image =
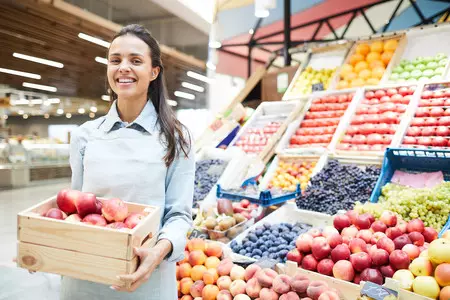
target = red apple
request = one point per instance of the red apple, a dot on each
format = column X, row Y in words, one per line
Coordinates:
column 309, row 263
column 365, row 235
column 65, row 203
column 245, row 203
column 444, row 121
column 360, row 261
column 417, row 238
column 363, row 221
column 341, row 221
column 412, row 251
column 372, row 275
column 402, row 225
column 393, row 232
column 352, row 214
column 325, row 267
column 388, row 218
column 436, row 112
column 351, row 231
column 378, row 226
column 86, row 203
column 357, row 245
column 443, row 131
column 334, row 240
column 95, row 219
column 115, row 210
column 415, row 225
column 99, row 205
column 340, row 252
column 401, row 241
column 379, row 257
column 73, row 218
column 315, row 232
column 343, row 270
column 399, row 259
column 320, row 248
column 387, row 271
column 294, row 255
column 377, row 236
column 55, row 213
column 386, row 244
column 117, row 225
column 357, row 278
column 430, row 234
column 133, row 219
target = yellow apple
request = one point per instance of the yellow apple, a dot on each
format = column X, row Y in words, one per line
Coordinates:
column 424, row 253
column 426, row 286
column 421, row 266
column 405, row 278
column 439, row 251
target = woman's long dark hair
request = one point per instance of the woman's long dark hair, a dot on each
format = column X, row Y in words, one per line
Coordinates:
column 175, row 137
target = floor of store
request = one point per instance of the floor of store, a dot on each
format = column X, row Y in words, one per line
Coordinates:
column 15, row 283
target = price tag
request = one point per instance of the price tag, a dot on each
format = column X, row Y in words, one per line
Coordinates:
column 198, row 234
column 266, row 263
column 282, row 82
column 378, row 292
column 317, row 87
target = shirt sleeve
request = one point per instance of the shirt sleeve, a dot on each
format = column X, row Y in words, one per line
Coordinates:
column 177, row 219
column 77, row 145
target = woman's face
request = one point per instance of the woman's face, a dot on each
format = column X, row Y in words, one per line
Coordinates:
column 129, row 67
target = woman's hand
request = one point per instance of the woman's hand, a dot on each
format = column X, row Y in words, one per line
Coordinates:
column 150, row 258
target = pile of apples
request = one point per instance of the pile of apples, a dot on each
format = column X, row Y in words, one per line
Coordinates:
column 75, row 206
column 429, row 274
column 359, row 247
column 420, row 69
column 321, row 121
column 431, row 124
column 289, row 174
column 376, row 120
column 203, row 275
column 254, row 140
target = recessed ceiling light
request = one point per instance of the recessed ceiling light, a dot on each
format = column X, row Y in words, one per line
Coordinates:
column 36, row 101
column 20, row 102
column 198, row 76
column 94, row 40
column 39, row 60
column 251, row 31
column 40, row 87
column 215, row 44
column 93, row 109
column 20, row 112
column 68, row 115
column 184, row 95
column 172, row 102
column 60, row 111
column 81, row 110
column 193, row 87
column 20, row 73
column 101, row 60
column 46, row 116
column 105, row 98
column 25, row 116
column 54, row 100
column 91, row 115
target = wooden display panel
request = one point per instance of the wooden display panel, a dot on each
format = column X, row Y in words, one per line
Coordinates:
column 79, row 250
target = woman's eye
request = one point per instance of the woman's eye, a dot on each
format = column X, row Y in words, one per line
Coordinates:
column 136, row 61
column 114, row 61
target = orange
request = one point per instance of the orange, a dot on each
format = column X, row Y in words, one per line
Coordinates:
column 386, row 56
column 361, row 66
column 378, row 72
column 363, row 49
column 390, row 45
column 372, row 81
column 373, row 56
column 377, row 46
column 350, row 76
column 357, row 82
column 343, row 84
column 355, row 58
column 345, row 69
column 364, row 74
column 376, row 63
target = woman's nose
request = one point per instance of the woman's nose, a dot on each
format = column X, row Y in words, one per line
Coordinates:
column 124, row 66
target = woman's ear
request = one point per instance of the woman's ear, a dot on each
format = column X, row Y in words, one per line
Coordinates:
column 155, row 72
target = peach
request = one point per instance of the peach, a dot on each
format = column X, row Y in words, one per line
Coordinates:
column 197, row 257
column 250, row 271
column 268, row 294
column 94, row 219
column 74, row 218
column 212, row 262
column 242, row 297
column 316, row 288
column 210, row 292
column 196, row 244
column 185, row 285
column 329, row 295
column 187, row 297
column 238, row 287
column 55, row 213
column 224, row 282
column 210, row 276
column 281, row 284
column 133, row 219
column 343, row 269
column 65, row 203
column 213, row 249
column 197, row 272
column 185, row 259
column 224, row 295
column 300, row 283
column 253, row 288
column 265, row 277
column 185, row 270
column 114, row 210
column 290, row 296
column 445, row 293
column 197, row 288
column 237, row 272
column 224, row 268
column 442, row 274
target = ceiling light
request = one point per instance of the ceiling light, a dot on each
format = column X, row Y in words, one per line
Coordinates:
column 25, row 116
column 262, row 13
column 93, row 109
column 20, row 73
column 184, row 95
column 105, row 98
column 198, row 76
column 91, row 115
column 101, row 60
column 20, row 112
column 193, row 87
column 36, row 101
column 172, row 102
column 60, row 111
column 215, row 44
column 20, row 102
column 5, row 117
column 211, row 66
column 251, row 31
column 46, row 116
column 54, row 100
column 68, row 115
column 39, row 87
column 39, row 60
column 94, row 40
column 81, row 110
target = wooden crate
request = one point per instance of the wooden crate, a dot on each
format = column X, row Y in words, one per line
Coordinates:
column 82, row 251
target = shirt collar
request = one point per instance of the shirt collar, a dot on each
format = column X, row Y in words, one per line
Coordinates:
column 146, row 119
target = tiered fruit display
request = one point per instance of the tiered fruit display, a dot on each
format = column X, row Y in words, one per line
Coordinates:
column 359, row 247
column 432, row 205
column 226, row 221
column 429, row 274
column 377, row 118
column 270, row 241
column 207, row 173
column 337, row 187
column 288, row 174
column 303, row 84
column 431, row 124
column 367, row 65
column 321, row 121
column 420, row 69
column 75, row 206
column 254, row 140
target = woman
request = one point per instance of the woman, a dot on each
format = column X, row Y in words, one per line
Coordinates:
column 138, row 152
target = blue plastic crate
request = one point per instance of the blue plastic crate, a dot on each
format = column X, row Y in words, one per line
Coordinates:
column 230, row 137
column 265, row 197
column 415, row 160
column 445, row 228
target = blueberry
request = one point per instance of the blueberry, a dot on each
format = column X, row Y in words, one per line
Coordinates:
column 253, row 238
column 263, row 248
column 289, row 226
column 260, row 228
column 269, row 243
column 266, row 225
column 237, row 249
column 257, row 252
column 256, row 257
column 264, row 238
column 244, row 240
column 258, row 232
column 247, row 244
column 273, row 249
column 233, row 244
column 242, row 252
column 248, row 249
column 282, row 253
column 272, row 256
column 265, row 254
column 275, row 233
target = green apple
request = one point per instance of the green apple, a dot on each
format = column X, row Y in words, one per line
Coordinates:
column 426, row 286
column 398, row 70
column 440, row 56
column 411, row 80
column 439, row 71
column 405, row 75
column 432, row 65
column 428, row 73
column 409, row 67
column 405, row 279
column 417, row 60
column 394, row 76
column 439, row 251
column 421, row 79
column 420, row 67
column 421, row 266
column 436, row 77
column 427, row 59
column 443, row 62
column 404, row 62
column 416, row 73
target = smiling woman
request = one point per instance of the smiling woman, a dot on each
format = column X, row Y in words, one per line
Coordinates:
column 138, row 152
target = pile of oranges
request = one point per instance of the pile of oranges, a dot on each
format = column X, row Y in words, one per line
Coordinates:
column 289, row 174
column 367, row 65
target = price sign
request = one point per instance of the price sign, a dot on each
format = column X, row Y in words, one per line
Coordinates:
column 198, row 234
column 317, row 87
column 378, row 292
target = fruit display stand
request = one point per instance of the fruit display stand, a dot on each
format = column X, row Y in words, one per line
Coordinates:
column 261, row 132
column 313, row 132
column 318, row 68
column 378, row 121
column 93, row 253
column 429, row 125
column 424, row 56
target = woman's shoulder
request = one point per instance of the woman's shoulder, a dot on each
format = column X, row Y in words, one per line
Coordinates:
column 84, row 130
